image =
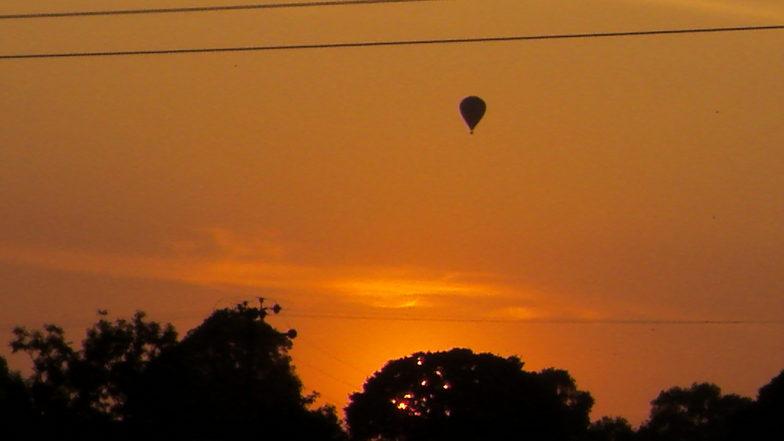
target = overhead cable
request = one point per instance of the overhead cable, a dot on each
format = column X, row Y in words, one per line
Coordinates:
column 202, row 9
column 534, row 321
column 395, row 42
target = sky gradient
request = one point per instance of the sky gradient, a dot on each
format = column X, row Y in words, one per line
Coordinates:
column 612, row 180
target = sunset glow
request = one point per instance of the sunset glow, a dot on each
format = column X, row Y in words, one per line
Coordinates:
column 617, row 212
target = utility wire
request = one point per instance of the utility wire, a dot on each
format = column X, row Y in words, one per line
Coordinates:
column 202, row 9
column 543, row 321
column 396, row 42
column 329, row 354
column 554, row 321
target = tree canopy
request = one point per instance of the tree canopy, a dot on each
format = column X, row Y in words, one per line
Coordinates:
column 81, row 393
column 15, row 406
column 229, row 379
column 610, row 429
column 699, row 412
column 769, row 409
column 764, row 419
column 460, row 395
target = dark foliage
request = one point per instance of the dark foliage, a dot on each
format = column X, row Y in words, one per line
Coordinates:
column 80, row 394
column 610, row 429
column 16, row 411
column 229, row 379
column 460, row 395
column 770, row 409
column 697, row 413
column 764, row 419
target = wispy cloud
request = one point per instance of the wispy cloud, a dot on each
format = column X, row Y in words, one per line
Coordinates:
column 219, row 257
column 406, row 291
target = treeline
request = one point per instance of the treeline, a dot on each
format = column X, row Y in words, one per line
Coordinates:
column 231, row 378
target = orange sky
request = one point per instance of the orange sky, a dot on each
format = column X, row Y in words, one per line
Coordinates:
column 611, row 179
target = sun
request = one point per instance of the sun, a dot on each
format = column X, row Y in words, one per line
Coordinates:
column 399, row 293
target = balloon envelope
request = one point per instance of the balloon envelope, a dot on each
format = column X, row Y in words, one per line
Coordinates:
column 472, row 108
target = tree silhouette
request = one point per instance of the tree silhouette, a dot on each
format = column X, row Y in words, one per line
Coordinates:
column 770, row 408
column 460, row 395
column 229, row 379
column 77, row 394
column 610, row 429
column 697, row 413
column 16, row 413
column 764, row 419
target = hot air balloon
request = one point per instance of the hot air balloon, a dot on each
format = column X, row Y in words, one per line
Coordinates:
column 473, row 109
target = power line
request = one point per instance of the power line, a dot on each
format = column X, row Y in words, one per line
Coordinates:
column 329, row 354
column 395, row 42
column 202, row 9
column 543, row 321
column 553, row 321
column 325, row 373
